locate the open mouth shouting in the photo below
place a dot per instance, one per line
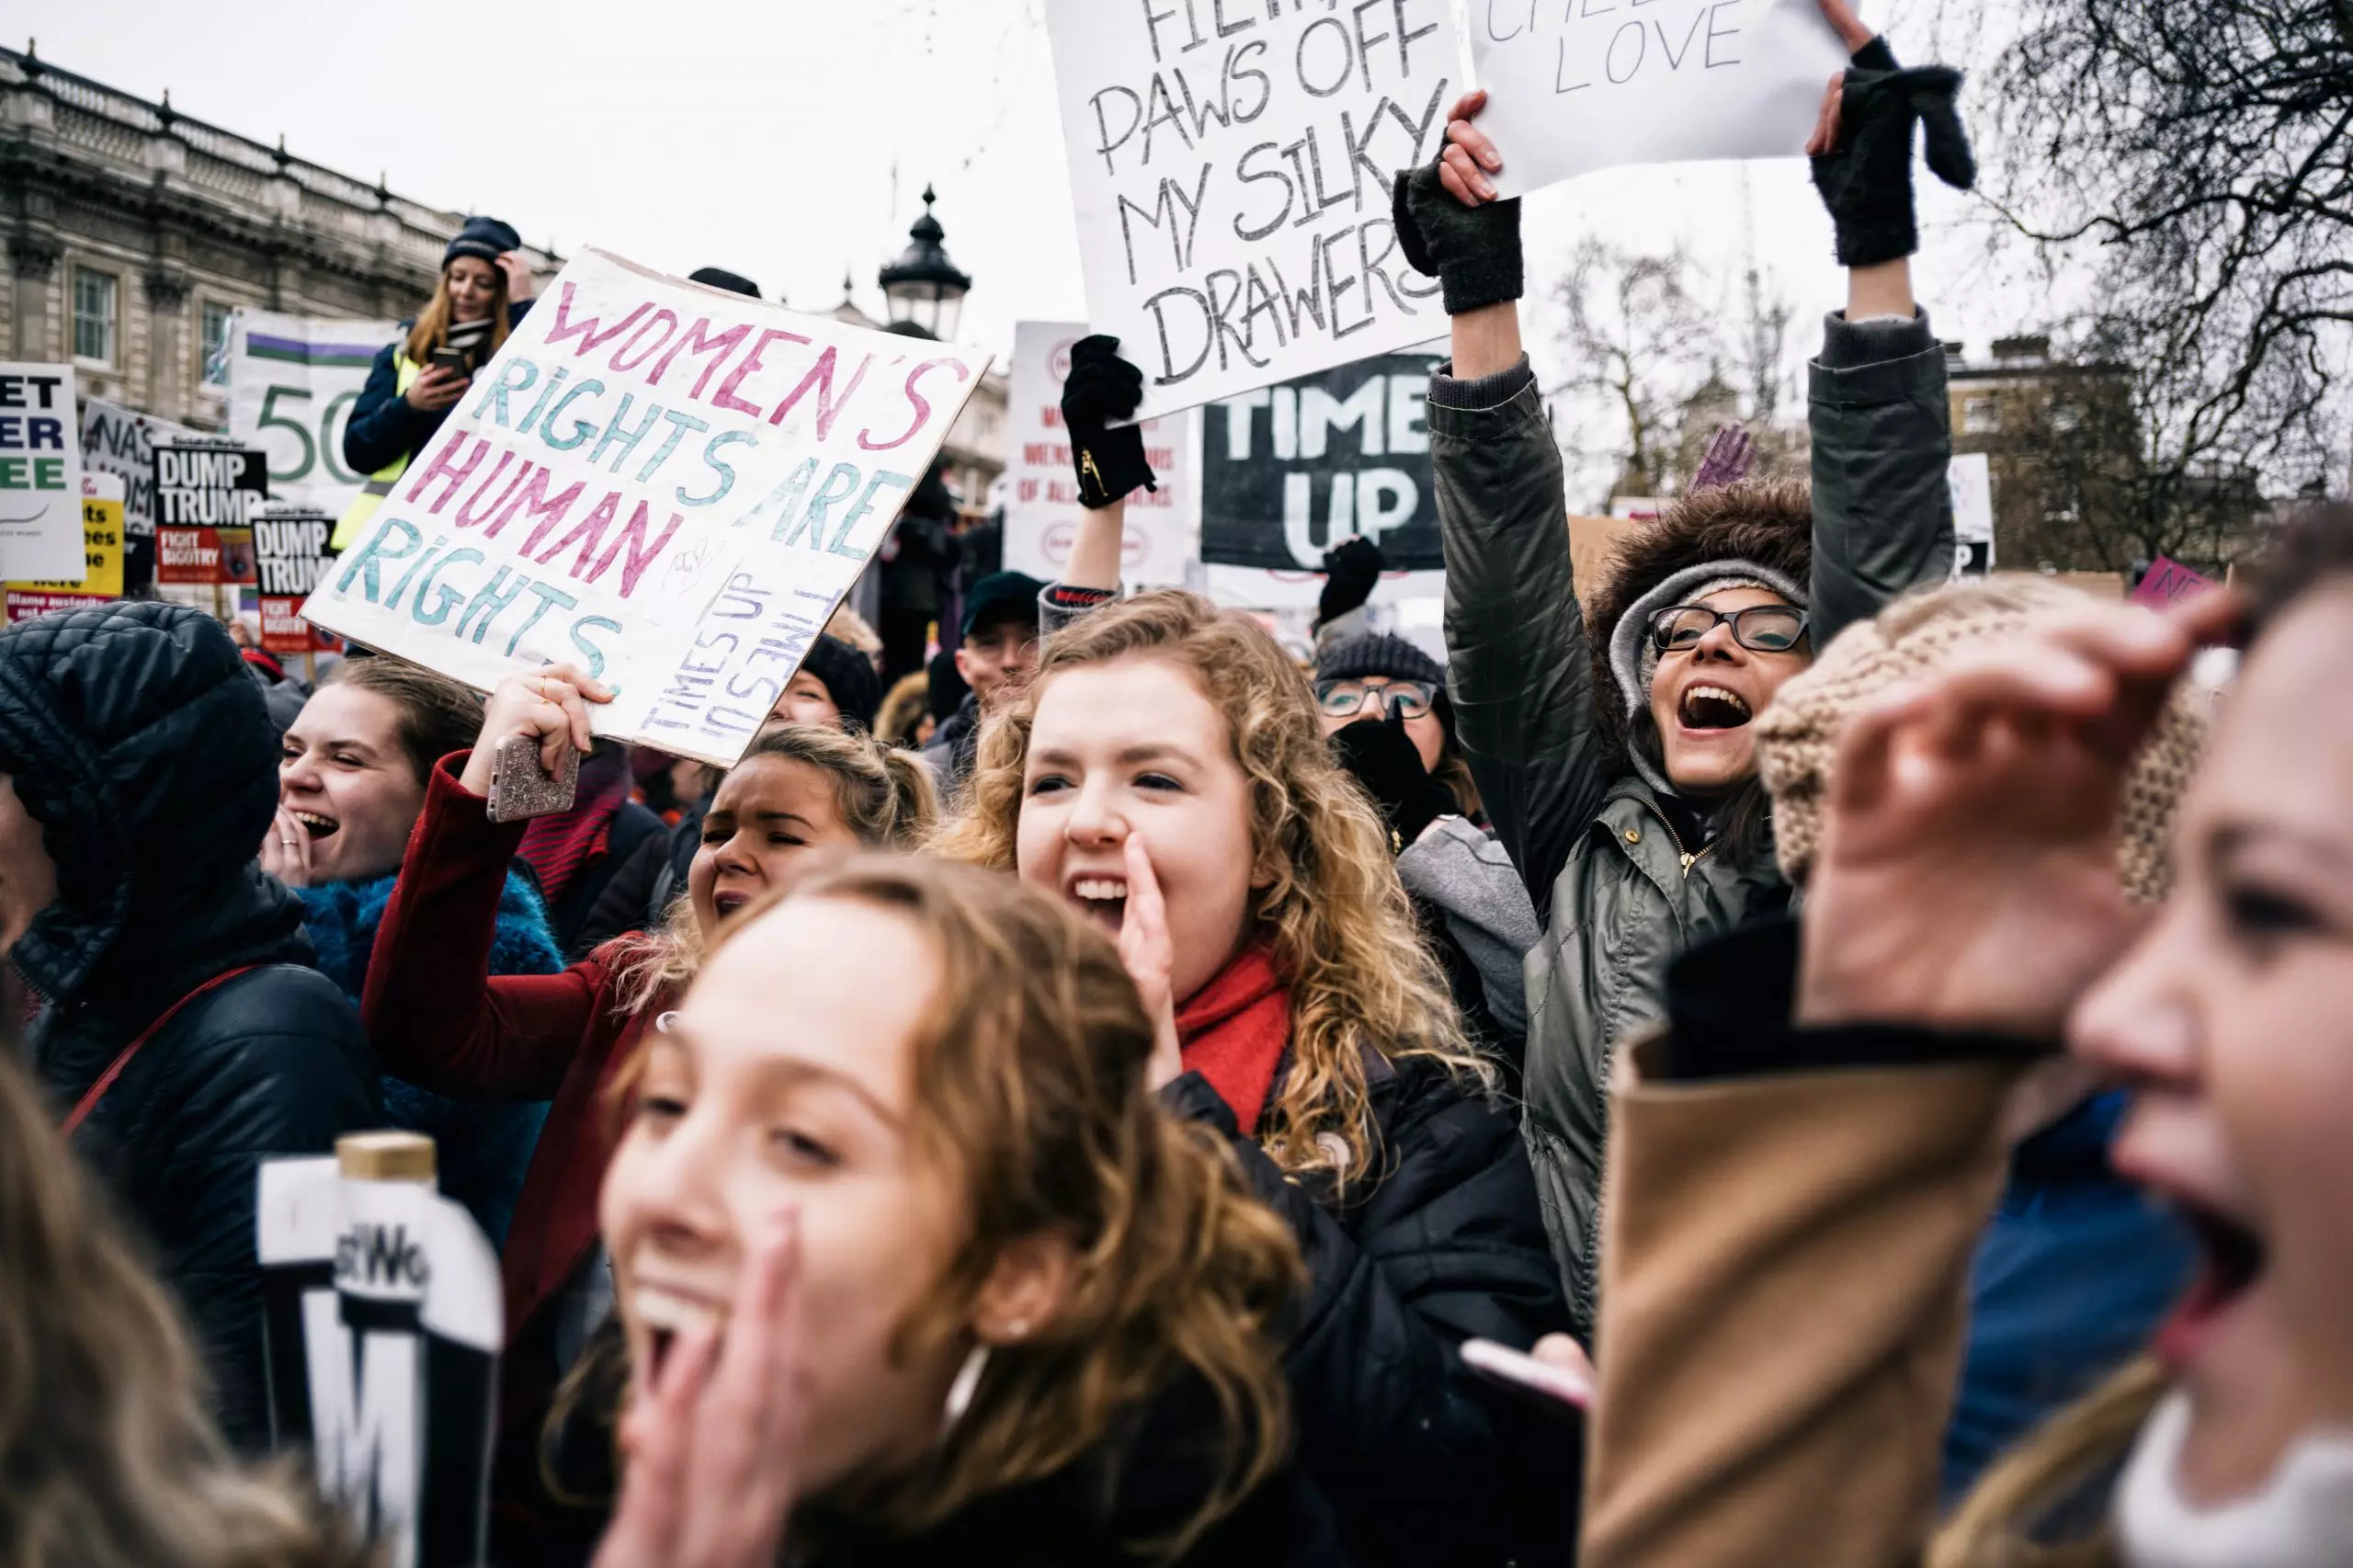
(2231, 1257)
(1707, 705)
(314, 824)
(667, 1314)
(1105, 899)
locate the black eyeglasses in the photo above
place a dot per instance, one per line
(1763, 629)
(1346, 699)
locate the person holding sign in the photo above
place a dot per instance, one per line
(1608, 724)
(442, 1021)
(485, 289)
(926, 1279)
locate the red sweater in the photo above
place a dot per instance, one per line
(439, 1020)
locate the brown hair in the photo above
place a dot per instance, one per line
(1333, 913)
(885, 795)
(438, 715)
(1033, 1097)
(109, 1457)
(2010, 1517)
(903, 711)
(432, 329)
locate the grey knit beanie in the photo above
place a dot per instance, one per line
(1633, 657)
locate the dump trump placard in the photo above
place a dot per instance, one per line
(666, 485)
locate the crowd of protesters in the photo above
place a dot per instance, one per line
(1112, 1094)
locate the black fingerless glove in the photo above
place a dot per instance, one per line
(1350, 574)
(1865, 180)
(1384, 759)
(1473, 251)
(1102, 387)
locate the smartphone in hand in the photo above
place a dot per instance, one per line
(521, 787)
(454, 360)
(1555, 1391)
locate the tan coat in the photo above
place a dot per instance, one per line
(1784, 1293)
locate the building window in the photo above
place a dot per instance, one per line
(95, 294)
(216, 343)
(1981, 415)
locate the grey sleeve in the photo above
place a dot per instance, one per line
(1883, 446)
(1467, 876)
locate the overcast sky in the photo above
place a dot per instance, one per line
(790, 139)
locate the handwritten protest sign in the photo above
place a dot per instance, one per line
(290, 558)
(121, 442)
(292, 381)
(668, 485)
(1231, 163)
(206, 499)
(1041, 508)
(102, 557)
(1575, 86)
(2166, 580)
(40, 473)
(1288, 471)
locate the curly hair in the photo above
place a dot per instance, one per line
(1033, 1100)
(885, 795)
(110, 1460)
(1332, 913)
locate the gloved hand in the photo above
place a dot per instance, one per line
(1862, 163)
(1474, 251)
(1730, 455)
(1383, 757)
(1351, 571)
(1102, 387)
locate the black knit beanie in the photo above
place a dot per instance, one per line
(1384, 655)
(719, 278)
(850, 679)
(486, 239)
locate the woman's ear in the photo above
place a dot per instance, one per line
(1025, 1289)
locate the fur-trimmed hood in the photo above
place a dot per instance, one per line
(1768, 521)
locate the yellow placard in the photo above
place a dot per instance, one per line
(102, 541)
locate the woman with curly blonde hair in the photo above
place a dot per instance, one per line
(1166, 771)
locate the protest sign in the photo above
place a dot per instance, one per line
(292, 380)
(1288, 471)
(2166, 580)
(41, 475)
(121, 442)
(1254, 587)
(289, 557)
(1972, 478)
(1041, 508)
(382, 1323)
(668, 485)
(1575, 86)
(206, 498)
(1229, 166)
(102, 557)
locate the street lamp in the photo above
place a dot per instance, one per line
(925, 290)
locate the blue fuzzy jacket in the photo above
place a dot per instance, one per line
(483, 1148)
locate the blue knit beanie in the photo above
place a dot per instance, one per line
(485, 238)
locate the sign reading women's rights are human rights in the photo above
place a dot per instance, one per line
(666, 485)
(1231, 164)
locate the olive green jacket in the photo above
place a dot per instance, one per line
(1619, 894)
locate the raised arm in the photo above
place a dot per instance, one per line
(1518, 669)
(1881, 427)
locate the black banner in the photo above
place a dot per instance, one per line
(1288, 471)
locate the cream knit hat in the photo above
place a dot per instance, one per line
(1798, 735)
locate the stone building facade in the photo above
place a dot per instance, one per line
(132, 232)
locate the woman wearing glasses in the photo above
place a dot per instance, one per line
(1611, 724)
(1384, 705)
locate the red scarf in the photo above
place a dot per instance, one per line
(557, 846)
(1234, 1030)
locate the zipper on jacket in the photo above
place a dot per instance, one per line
(1689, 860)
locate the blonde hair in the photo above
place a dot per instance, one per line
(432, 329)
(1332, 913)
(110, 1460)
(1032, 1096)
(2000, 1525)
(885, 795)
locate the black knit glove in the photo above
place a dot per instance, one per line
(1865, 180)
(1384, 760)
(1102, 387)
(1350, 574)
(1474, 251)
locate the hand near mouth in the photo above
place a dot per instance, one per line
(713, 1438)
(1150, 957)
(286, 850)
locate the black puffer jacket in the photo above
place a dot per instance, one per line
(1421, 1463)
(134, 736)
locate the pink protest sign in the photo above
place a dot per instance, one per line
(2167, 582)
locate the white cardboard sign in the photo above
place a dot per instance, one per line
(1575, 86)
(41, 475)
(293, 382)
(1041, 509)
(668, 485)
(1229, 166)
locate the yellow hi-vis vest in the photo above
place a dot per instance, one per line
(380, 484)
